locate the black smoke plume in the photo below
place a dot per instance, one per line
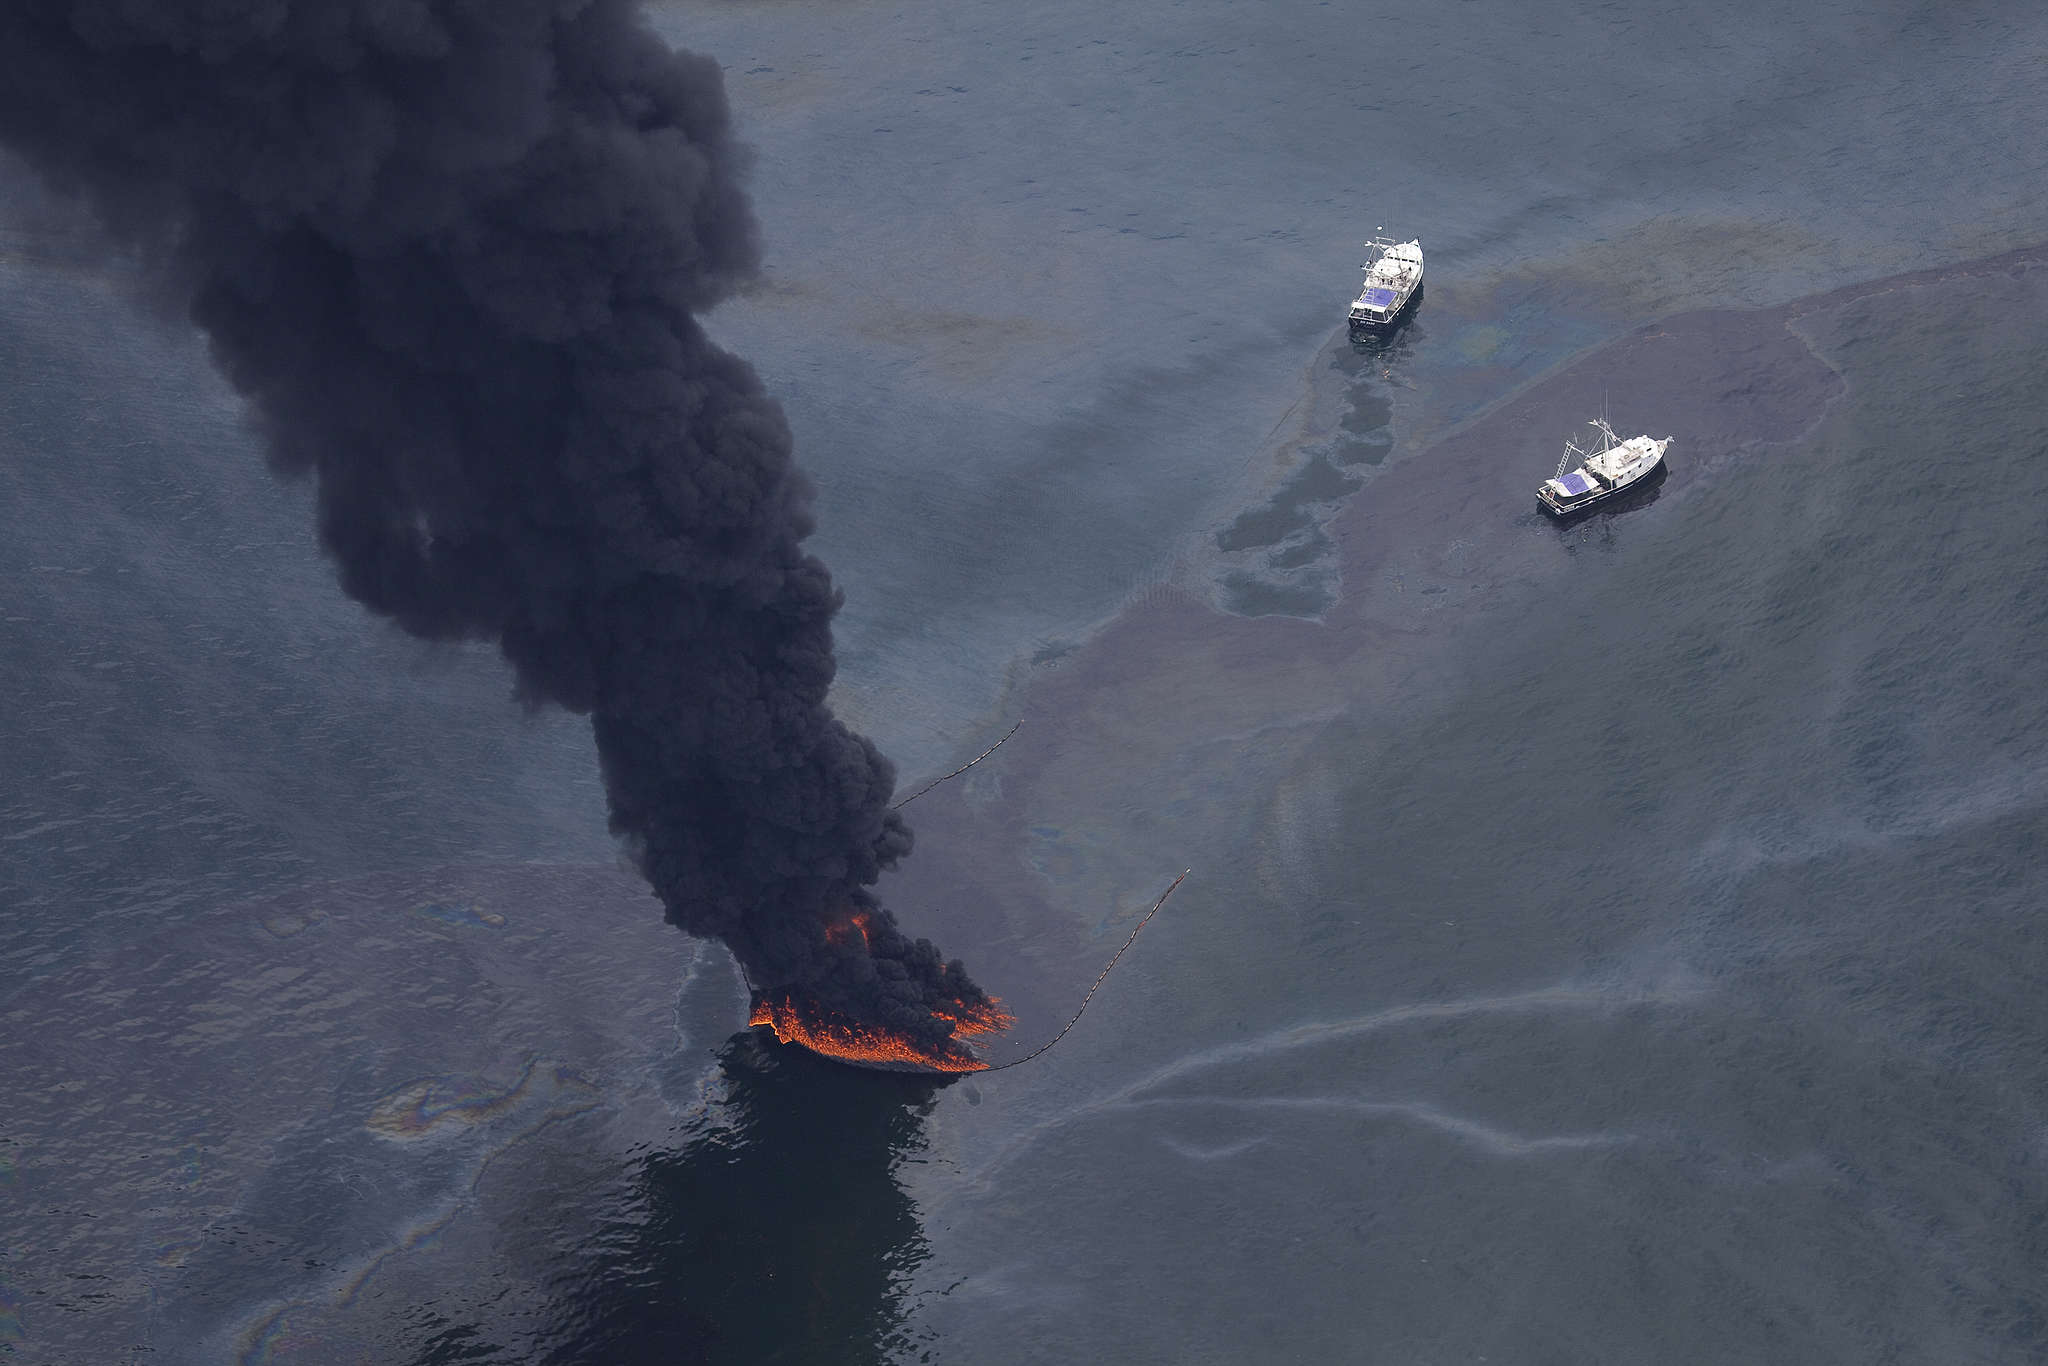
(451, 252)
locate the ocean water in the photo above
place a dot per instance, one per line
(1610, 943)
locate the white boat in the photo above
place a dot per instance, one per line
(1614, 468)
(1393, 275)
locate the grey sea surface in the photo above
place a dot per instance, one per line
(1618, 942)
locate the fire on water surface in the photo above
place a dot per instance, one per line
(842, 1039)
(831, 1034)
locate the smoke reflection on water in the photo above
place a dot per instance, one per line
(778, 1233)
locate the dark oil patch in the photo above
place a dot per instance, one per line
(1319, 481)
(1247, 595)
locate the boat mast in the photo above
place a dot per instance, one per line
(1563, 461)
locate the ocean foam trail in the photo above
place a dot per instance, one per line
(1319, 1032)
(1499, 1142)
(1222, 1153)
(1543, 1000)
(1960, 807)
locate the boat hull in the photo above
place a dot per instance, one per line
(1564, 510)
(1383, 324)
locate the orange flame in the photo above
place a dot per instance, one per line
(843, 931)
(833, 1035)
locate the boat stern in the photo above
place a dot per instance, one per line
(1568, 493)
(1375, 307)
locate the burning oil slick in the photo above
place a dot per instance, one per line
(796, 1017)
(842, 1039)
(452, 253)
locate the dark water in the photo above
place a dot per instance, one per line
(1615, 943)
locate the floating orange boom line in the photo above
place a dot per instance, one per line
(897, 806)
(1100, 977)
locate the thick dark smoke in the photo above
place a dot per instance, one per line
(451, 251)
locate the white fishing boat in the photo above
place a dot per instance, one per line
(1614, 468)
(1393, 276)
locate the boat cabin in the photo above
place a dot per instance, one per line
(1391, 278)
